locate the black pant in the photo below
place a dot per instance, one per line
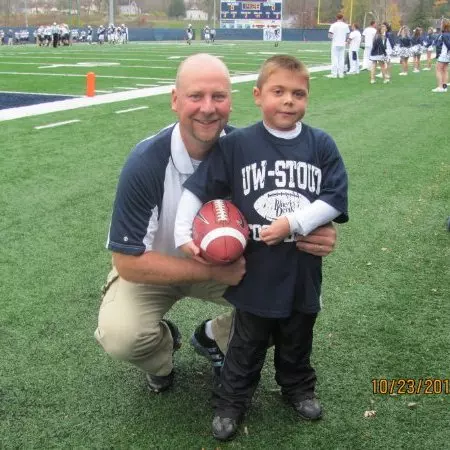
(246, 354)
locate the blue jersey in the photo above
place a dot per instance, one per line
(439, 42)
(428, 40)
(404, 41)
(391, 38)
(148, 193)
(416, 40)
(266, 177)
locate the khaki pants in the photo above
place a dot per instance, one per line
(129, 321)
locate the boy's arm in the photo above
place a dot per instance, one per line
(209, 182)
(301, 221)
(187, 209)
(331, 203)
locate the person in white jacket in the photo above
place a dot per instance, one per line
(367, 35)
(338, 34)
(354, 42)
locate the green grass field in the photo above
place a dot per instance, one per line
(386, 287)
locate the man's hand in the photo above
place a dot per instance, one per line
(276, 231)
(230, 274)
(320, 242)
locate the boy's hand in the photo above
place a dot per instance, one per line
(276, 231)
(191, 250)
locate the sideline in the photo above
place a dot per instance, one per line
(83, 102)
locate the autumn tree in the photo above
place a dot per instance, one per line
(419, 16)
(441, 8)
(176, 9)
(393, 16)
(354, 10)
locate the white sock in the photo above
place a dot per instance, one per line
(208, 330)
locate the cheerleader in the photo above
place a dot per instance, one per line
(416, 48)
(378, 54)
(443, 58)
(428, 42)
(404, 49)
(390, 47)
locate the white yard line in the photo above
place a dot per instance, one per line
(84, 75)
(93, 58)
(83, 102)
(131, 109)
(47, 65)
(56, 124)
(40, 93)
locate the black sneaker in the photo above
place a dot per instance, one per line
(160, 383)
(208, 348)
(224, 428)
(308, 409)
(175, 332)
(157, 383)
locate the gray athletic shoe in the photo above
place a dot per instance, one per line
(308, 409)
(224, 428)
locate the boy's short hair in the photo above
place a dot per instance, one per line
(277, 62)
(339, 16)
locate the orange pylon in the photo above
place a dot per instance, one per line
(90, 84)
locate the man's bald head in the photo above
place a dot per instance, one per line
(198, 63)
(202, 100)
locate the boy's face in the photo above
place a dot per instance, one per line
(282, 99)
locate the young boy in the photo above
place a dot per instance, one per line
(286, 177)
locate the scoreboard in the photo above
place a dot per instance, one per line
(250, 13)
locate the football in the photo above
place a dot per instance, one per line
(220, 231)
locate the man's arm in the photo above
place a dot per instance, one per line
(320, 242)
(156, 268)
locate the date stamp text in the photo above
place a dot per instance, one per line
(410, 386)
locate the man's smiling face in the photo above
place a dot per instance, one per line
(202, 101)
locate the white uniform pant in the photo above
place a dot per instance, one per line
(367, 63)
(337, 60)
(354, 61)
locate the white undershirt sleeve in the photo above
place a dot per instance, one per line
(187, 209)
(303, 221)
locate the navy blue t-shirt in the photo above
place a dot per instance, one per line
(266, 177)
